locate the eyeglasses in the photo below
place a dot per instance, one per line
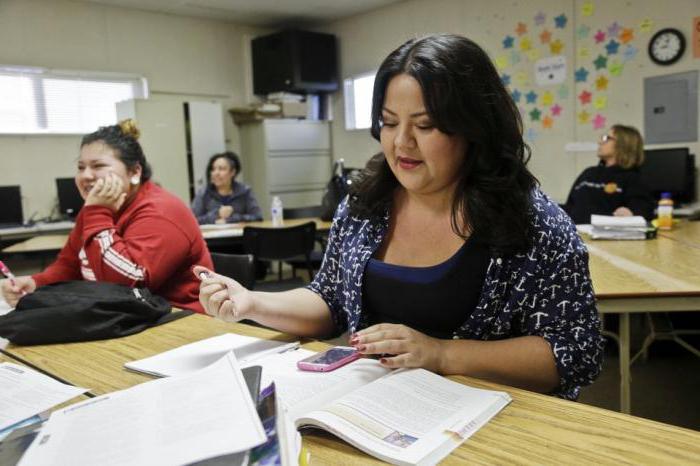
(606, 137)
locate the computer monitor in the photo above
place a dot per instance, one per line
(69, 200)
(11, 208)
(670, 170)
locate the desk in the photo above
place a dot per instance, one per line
(534, 428)
(34, 230)
(660, 275)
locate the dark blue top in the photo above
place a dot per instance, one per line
(207, 202)
(545, 291)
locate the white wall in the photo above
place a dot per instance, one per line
(182, 58)
(366, 39)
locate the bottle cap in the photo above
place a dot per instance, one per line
(665, 195)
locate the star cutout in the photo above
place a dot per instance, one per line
(501, 62)
(600, 102)
(547, 122)
(581, 75)
(583, 117)
(515, 57)
(531, 135)
(599, 37)
(525, 44)
(505, 79)
(560, 21)
(556, 110)
(599, 121)
(613, 29)
(646, 25)
(626, 35)
(600, 63)
(535, 114)
(585, 97)
(547, 99)
(521, 29)
(615, 68)
(540, 18)
(582, 31)
(583, 53)
(556, 47)
(533, 55)
(545, 37)
(601, 83)
(612, 47)
(516, 95)
(587, 8)
(508, 42)
(563, 91)
(531, 97)
(521, 78)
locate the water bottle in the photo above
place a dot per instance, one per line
(664, 212)
(276, 211)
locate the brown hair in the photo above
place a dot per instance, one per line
(629, 146)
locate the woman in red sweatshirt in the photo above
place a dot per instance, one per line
(129, 231)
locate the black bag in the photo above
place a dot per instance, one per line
(82, 311)
(336, 190)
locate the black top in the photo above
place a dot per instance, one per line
(600, 190)
(432, 300)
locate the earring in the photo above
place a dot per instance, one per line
(134, 180)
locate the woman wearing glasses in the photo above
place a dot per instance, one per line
(613, 187)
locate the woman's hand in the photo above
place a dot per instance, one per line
(223, 297)
(22, 286)
(107, 192)
(622, 212)
(225, 211)
(401, 346)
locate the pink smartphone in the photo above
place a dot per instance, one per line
(328, 360)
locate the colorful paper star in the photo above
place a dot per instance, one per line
(547, 99)
(613, 29)
(600, 102)
(556, 47)
(587, 8)
(583, 117)
(560, 21)
(505, 79)
(531, 97)
(540, 18)
(556, 110)
(545, 37)
(582, 31)
(600, 63)
(521, 29)
(535, 114)
(599, 37)
(615, 68)
(501, 62)
(521, 78)
(646, 25)
(601, 83)
(525, 44)
(514, 57)
(563, 91)
(547, 122)
(583, 53)
(516, 95)
(508, 42)
(585, 97)
(612, 47)
(626, 35)
(599, 121)
(581, 75)
(533, 55)
(629, 52)
(531, 135)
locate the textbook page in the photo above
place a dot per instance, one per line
(25, 392)
(200, 354)
(176, 420)
(409, 416)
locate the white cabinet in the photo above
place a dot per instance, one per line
(286, 158)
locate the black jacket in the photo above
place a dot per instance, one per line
(600, 190)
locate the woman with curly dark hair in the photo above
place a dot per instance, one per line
(446, 255)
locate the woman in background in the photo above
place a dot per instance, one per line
(223, 199)
(130, 231)
(614, 186)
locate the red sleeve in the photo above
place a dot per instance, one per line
(67, 264)
(147, 253)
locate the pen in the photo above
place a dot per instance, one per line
(10, 276)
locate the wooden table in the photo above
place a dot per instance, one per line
(534, 428)
(660, 275)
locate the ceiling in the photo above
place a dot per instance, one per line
(264, 13)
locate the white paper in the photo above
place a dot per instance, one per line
(200, 354)
(177, 420)
(550, 70)
(604, 221)
(25, 392)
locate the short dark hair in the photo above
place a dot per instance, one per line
(123, 139)
(464, 96)
(231, 157)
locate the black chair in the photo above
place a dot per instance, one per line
(281, 244)
(240, 267)
(316, 255)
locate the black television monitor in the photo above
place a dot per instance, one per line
(69, 200)
(11, 210)
(670, 170)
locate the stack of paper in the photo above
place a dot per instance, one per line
(611, 227)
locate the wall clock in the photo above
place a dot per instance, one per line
(666, 46)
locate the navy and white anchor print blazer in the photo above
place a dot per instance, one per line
(546, 292)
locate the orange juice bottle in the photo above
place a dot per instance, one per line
(664, 212)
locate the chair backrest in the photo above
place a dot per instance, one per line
(240, 267)
(280, 243)
(302, 212)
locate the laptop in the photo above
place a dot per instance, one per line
(11, 207)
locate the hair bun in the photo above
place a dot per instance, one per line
(129, 128)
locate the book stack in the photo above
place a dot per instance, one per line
(619, 228)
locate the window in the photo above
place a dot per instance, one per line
(358, 101)
(41, 101)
